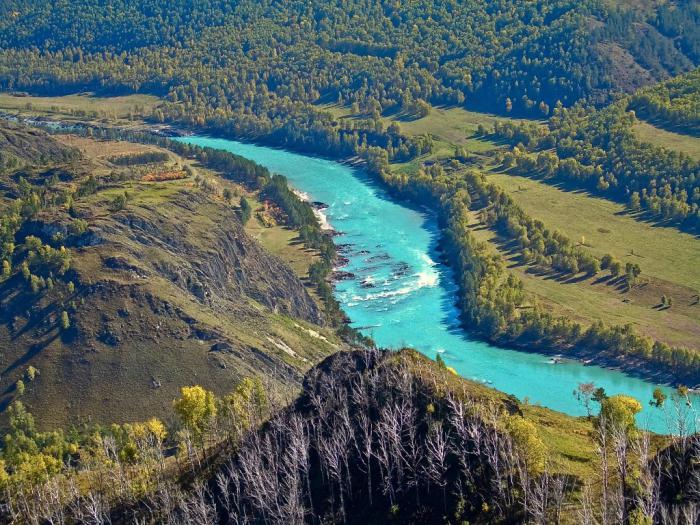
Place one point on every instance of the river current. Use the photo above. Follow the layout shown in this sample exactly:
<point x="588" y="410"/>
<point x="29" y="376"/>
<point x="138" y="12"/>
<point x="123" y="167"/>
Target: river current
<point x="398" y="292"/>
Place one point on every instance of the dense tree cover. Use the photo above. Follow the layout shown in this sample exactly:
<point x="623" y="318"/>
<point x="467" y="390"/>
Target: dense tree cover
<point x="252" y="68"/>
<point x="672" y="104"/>
<point x="134" y="159"/>
<point x="598" y="151"/>
<point x="680" y="20"/>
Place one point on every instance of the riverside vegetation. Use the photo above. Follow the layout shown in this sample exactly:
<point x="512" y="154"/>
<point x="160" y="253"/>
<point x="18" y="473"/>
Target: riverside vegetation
<point x="492" y="299"/>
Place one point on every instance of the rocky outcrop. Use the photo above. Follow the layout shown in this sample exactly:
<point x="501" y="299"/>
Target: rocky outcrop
<point x="225" y="270"/>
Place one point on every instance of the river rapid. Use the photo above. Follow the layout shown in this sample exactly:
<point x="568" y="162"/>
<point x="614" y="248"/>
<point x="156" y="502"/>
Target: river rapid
<point x="396" y="290"/>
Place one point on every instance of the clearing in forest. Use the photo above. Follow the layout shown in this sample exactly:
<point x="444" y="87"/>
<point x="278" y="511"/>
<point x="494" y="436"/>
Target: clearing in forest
<point x="688" y="144"/>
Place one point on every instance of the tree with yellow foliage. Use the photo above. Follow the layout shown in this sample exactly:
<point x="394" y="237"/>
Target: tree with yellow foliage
<point x="528" y="442"/>
<point x="196" y="410"/>
<point x="617" y="436"/>
<point x="618" y="412"/>
<point x="244" y="408"/>
<point x="4" y="476"/>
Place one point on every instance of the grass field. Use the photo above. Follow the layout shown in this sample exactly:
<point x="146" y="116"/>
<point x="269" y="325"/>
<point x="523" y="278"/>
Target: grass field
<point x="668" y="139"/>
<point x="449" y="127"/>
<point x="592" y="299"/>
<point x="81" y="105"/>
<point x="452" y="126"/>
<point x="282" y="242"/>
<point x="665" y="253"/>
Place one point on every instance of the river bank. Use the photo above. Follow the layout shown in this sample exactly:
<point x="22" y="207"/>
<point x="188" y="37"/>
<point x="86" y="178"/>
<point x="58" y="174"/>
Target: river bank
<point x="630" y="364"/>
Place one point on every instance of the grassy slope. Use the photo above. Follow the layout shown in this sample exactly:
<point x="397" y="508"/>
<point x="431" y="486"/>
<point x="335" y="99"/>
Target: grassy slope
<point x="165" y="334"/>
<point x="449" y="127"/>
<point x="281" y="241"/>
<point x="568" y="439"/>
<point x="588" y="300"/>
<point x="662" y="252"/>
<point x="80" y="105"/>
<point x="688" y="144"/>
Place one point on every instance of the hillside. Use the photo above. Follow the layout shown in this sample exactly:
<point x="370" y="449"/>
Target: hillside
<point x="162" y="285"/>
<point x="173" y="346"/>
<point x="398" y="438"/>
<point x="523" y="55"/>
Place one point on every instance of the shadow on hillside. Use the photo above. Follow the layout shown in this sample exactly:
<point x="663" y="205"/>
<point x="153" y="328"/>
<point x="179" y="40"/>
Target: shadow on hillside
<point x="643" y="216"/>
<point x="511" y="252"/>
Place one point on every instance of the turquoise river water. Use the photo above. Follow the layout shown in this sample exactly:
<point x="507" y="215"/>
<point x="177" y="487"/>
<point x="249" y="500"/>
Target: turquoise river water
<point x="401" y="295"/>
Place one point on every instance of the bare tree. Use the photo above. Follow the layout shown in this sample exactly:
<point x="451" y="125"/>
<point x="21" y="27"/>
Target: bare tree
<point x="437" y="449"/>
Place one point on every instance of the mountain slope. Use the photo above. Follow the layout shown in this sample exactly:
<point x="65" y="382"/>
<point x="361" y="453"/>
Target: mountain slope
<point x="674" y="104"/>
<point x="164" y="288"/>
<point x="445" y="52"/>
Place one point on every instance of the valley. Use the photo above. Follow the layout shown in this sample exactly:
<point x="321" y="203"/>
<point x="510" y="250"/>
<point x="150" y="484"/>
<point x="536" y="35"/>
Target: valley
<point x="581" y="300"/>
<point x="400" y="294"/>
<point x="358" y="262"/>
<point x="681" y="142"/>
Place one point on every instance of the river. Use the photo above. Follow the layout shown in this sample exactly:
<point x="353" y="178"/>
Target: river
<point x="401" y="295"/>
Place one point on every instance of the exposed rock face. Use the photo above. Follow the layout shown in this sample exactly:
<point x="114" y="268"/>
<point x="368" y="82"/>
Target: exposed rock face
<point x="226" y="270"/>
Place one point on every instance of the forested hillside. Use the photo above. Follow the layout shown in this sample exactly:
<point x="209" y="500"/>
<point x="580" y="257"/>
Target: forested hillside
<point x="218" y="57"/>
